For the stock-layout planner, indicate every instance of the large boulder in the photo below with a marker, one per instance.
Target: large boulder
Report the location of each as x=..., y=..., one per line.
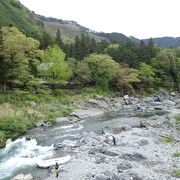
x=106, y=130
x=92, y=139
x=161, y=96
x=99, y=104
x=168, y=102
x=133, y=157
x=123, y=166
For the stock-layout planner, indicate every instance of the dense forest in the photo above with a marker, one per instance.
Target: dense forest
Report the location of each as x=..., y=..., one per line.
x=35, y=64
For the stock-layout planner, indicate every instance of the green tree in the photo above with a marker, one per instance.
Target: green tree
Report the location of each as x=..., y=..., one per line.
x=146, y=75
x=113, y=51
x=18, y=54
x=58, y=39
x=126, y=77
x=103, y=69
x=166, y=68
x=80, y=72
x=54, y=68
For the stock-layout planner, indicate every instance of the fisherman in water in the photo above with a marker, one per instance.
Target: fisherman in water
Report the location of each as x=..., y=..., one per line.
x=57, y=169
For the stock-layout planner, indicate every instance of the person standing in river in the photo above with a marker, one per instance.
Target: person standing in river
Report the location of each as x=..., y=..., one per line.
x=57, y=170
x=114, y=140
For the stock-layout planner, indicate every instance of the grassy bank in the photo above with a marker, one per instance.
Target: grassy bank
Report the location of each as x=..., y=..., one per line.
x=21, y=110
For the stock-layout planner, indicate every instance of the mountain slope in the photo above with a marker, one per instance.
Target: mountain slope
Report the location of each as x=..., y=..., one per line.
x=13, y=13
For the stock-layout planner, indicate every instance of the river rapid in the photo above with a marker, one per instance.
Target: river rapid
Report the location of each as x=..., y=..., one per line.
x=21, y=156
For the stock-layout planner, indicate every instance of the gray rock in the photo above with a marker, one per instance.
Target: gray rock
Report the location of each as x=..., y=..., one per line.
x=172, y=94
x=100, y=104
x=92, y=139
x=143, y=142
x=123, y=166
x=161, y=95
x=111, y=175
x=106, y=130
x=101, y=177
x=41, y=124
x=119, y=129
x=133, y=157
x=127, y=100
x=168, y=102
x=158, y=108
x=134, y=175
x=100, y=159
x=110, y=153
x=94, y=151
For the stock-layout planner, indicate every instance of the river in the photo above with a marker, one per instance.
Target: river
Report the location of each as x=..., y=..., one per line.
x=21, y=156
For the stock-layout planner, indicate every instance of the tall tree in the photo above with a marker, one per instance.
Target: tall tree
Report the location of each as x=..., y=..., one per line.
x=58, y=39
x=54, y=68
x=166, y=68
x=126, y=77
x=103, y=69
x=16, y=51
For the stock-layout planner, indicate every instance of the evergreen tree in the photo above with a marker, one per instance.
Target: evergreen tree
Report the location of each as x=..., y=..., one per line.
x=58, y=39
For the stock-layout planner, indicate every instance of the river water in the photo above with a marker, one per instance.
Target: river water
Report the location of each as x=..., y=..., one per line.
x=21, y=156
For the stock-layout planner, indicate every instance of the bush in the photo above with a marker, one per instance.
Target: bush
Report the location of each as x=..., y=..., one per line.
x=89, y=90
x=177, y=119
x=2, y=139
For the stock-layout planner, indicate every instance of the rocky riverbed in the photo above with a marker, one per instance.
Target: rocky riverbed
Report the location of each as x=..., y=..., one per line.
x=146, y=134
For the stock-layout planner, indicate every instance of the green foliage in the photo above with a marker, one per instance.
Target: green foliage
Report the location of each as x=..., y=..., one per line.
x=80, y=72
x=54, y=68
x=58, y=39
x=177, y=119
x=113, y=51
x=19, y=55
x=168, y=139
x=146, y=75
x=126, y=77
x=177, y=154
x=12, y=13
x=176, y=173
x=2, y=139
x=103, y=69
x=83, y=46
x=167, y=68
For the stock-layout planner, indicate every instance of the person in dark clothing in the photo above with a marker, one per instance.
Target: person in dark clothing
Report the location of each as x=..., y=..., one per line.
x=57, y=169
x=114, y=140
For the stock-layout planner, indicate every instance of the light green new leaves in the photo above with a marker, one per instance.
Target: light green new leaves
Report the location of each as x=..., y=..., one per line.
x=54, y=67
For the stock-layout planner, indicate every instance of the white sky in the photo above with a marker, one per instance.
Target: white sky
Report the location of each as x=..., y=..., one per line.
x=139, y=18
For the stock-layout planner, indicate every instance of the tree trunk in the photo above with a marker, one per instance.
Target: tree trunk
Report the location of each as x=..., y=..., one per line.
x=4, y=86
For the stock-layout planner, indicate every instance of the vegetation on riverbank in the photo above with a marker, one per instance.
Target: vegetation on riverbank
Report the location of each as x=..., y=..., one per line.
x=177, y=120
x=21, y=110
x=176, y=173
x=177, y=154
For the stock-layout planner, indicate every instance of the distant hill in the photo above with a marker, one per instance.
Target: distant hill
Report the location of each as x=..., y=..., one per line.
x=163, y=42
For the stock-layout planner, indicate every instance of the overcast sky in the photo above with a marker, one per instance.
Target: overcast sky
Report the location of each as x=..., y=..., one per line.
x=139, y=18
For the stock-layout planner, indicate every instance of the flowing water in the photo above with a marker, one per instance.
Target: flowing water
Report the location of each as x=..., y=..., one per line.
x=21, y=155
